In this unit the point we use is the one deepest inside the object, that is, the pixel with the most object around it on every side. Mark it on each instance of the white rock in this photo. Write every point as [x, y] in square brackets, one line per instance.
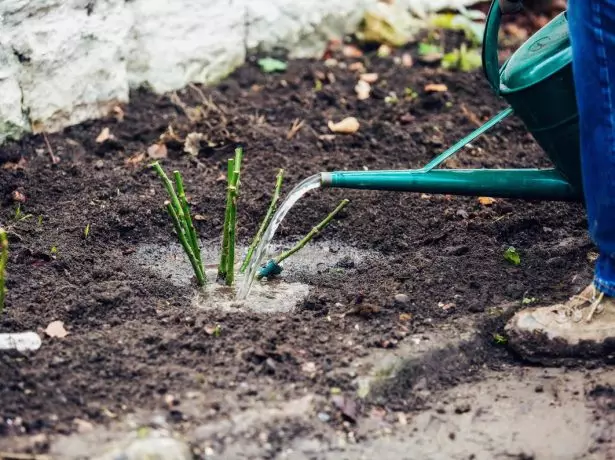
[65, 61]
[181, 41]
[72, 65]
[13, 122]
[301, 26]
[20, 341]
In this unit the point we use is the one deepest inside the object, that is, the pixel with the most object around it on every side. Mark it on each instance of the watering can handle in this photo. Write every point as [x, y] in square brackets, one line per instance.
[490, 46]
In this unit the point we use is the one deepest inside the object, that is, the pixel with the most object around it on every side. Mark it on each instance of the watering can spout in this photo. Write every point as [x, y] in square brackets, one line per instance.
[539, 184]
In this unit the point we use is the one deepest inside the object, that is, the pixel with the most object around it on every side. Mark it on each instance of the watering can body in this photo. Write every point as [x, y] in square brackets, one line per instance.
[537, 83]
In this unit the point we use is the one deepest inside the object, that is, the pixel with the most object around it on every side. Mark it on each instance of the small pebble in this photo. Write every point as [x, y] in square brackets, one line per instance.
[324, 417]
[402, 299]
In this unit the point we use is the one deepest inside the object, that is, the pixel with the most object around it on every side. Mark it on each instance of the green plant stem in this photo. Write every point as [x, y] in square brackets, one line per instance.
[266, 220]
[230, 261]
[169, 187]
[4, 256]
[198, 269]
[315, 231]
[222, 266]
[189, 226]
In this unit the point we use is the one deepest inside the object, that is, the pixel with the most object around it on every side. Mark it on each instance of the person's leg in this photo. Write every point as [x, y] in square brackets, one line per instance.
[586, 321]
[592, 29]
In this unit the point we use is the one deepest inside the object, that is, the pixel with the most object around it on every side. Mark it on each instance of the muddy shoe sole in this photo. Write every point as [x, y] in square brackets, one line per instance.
[537, 348]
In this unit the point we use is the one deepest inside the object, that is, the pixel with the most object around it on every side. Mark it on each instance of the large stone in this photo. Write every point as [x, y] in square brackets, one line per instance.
[71, 55]
[181, 41]
[13, 122]
[66, 61]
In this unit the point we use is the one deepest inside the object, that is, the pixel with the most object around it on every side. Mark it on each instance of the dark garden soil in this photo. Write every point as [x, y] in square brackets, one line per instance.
[133, 336]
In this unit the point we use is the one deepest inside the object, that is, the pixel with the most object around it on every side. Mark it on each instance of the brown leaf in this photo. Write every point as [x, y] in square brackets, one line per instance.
[21, 164]
[357, 67]
[135, 159]
[157, 151]
[486, 201]
[104, 135]
[348, 125]
[363, 89]
[351, 51]
[405, 317]
[369, 77]
[406, 60]
[18, 196]
[118, 113]
[436, 88]
[56, 329]
[192, 144]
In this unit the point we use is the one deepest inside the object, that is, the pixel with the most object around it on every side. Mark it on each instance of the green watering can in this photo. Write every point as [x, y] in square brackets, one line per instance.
[537, 83]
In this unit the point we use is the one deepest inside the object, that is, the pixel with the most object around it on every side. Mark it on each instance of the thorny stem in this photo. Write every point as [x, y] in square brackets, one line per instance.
[182, 221]
[198, 269]
[266, 220]
[315, 231]
[169, 187]
[190, 230]
[222, 267]
[230, 261]
[4, 255]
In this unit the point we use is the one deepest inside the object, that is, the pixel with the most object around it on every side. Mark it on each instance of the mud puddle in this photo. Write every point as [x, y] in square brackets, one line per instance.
[267, 296]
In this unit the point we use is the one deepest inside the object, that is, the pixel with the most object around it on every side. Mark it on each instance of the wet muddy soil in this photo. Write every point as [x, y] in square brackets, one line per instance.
[137, 342]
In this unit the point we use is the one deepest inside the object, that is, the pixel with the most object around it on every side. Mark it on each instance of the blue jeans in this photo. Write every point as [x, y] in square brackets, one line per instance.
[592, 32]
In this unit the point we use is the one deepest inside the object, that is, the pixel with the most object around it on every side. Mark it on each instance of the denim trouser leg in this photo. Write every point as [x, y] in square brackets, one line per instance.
[592, 30]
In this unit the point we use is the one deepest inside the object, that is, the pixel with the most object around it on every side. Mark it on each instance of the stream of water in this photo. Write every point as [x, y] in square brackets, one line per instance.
[311, 183]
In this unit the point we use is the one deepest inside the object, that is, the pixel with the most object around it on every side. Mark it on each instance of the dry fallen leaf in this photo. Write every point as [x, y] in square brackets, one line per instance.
[436, 88]
[118, 113]
[192, 144]
[357, 67]
[157, 151]
[486, 200]
[56, 329]
[18, 196]
[104, 135]
[362, 89]
[21, 164]
[135, 159]
[405, 317]
[406, 60]
[346, 126]
[351, 51]
[369, 77]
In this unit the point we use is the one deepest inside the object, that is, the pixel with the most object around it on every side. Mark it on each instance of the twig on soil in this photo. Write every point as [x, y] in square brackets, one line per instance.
[226, 269]
[295, 128]
[209, 103]
[4, 256]
[179, 211]
[265, 222]
[54, 159]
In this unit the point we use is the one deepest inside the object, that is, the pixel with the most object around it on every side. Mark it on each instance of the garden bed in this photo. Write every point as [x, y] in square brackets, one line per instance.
[137, 342]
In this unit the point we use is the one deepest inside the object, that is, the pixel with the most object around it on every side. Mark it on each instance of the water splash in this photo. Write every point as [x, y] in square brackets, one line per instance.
[311, 183]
